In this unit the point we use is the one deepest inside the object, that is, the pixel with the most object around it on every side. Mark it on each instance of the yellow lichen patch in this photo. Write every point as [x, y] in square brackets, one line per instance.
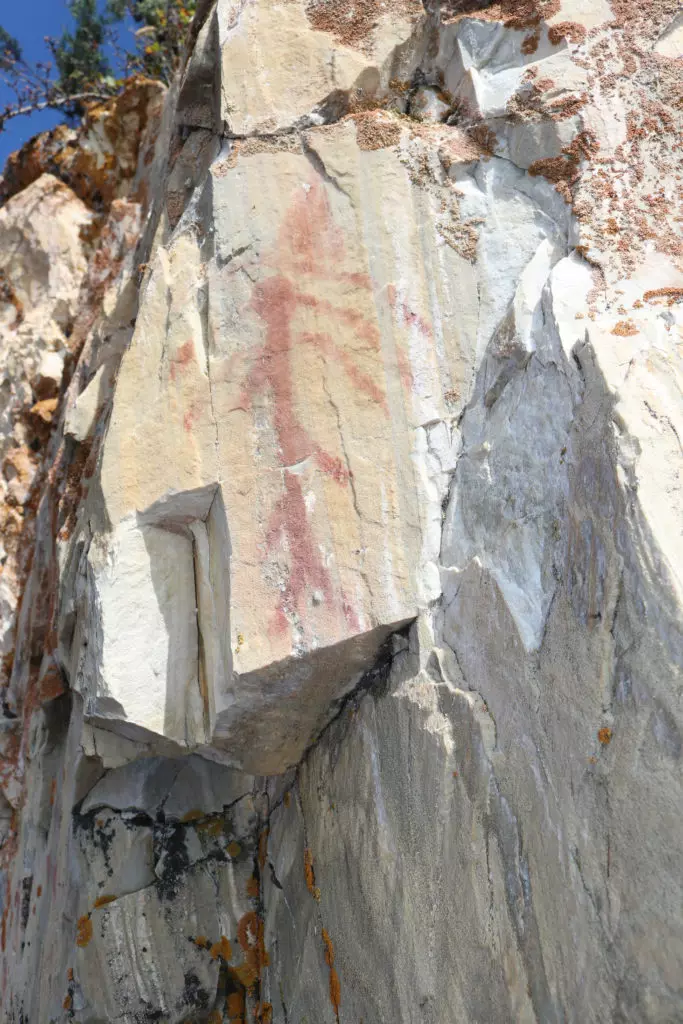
[234, 849]
[287, 798]
[221, 949]
[102, 901]
[83, 930]
[605, 735]
[309, 874]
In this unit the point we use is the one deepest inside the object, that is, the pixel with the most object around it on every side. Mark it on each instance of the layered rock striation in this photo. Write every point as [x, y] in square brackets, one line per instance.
[340, 600]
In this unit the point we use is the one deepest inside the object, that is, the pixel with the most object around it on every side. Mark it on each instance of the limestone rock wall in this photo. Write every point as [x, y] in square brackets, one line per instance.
[341, 592]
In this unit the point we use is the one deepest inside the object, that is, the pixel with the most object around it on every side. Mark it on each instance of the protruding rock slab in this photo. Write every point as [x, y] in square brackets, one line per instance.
[293, 342]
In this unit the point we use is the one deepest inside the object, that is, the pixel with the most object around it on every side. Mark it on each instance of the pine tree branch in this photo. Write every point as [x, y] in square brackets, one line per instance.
[51, 103]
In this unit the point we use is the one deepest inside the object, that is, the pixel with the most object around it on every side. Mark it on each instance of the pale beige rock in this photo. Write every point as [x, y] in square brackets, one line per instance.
[388, 377]
[283, 61]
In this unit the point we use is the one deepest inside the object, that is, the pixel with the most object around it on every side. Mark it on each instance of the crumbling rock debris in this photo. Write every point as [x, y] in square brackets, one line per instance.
[340, 497]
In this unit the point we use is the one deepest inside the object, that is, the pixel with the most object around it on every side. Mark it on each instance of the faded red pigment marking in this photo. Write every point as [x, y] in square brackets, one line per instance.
[332, 466]
[361, 380]
[352, 620]
[361, 326]
[309, 243]
[274, 301]
[290, 518]
[184, 355]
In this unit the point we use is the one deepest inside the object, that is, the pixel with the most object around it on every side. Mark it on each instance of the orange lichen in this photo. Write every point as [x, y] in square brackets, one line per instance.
[309, 874]
[83, 931]
[335, 991]
[625, 329]
[102, 901]
[250, 935]
[192, 815]
[570, 30]
[211, 827]
[329, 948]
[246, 975]
[664, 293]
[263, 1013]
[253, 887]
[235, 1007]
[376, 130]
[202, 942]
[335, 987]
[234, 849]
[68, 1002]
[221, 949]
[263, 848]
[353, 22]
[605, 735]
[530, 42]
[70, 974]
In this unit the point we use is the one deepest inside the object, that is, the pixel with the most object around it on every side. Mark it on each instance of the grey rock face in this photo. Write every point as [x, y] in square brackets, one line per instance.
[345, 683]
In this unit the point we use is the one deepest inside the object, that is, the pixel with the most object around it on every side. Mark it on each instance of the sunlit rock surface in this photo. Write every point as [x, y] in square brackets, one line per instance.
[340, 597]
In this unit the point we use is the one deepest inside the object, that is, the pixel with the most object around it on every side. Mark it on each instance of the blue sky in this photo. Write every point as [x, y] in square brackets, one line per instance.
[29, 21]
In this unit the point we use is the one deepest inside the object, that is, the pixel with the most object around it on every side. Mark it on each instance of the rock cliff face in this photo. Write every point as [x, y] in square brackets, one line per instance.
[340, 600]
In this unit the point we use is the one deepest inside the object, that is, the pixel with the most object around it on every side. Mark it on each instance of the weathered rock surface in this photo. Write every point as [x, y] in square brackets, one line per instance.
[341, 593]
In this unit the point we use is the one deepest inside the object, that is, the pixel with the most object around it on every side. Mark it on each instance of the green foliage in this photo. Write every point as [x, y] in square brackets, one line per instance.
[79, 55]
[81, 70]
[162, 28]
